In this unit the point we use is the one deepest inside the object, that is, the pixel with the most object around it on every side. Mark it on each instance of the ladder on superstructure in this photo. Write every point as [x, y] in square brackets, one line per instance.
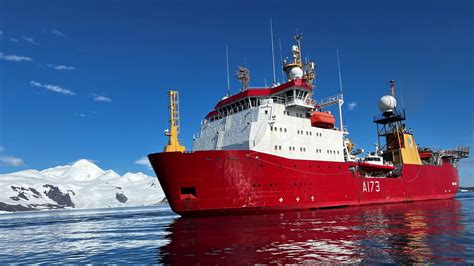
[174, 109]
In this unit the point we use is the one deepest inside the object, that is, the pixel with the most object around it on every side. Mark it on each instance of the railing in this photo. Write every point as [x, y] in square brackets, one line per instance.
[328, 101]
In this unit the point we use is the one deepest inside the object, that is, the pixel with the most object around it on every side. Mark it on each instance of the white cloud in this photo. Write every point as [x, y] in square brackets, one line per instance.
[2, 148]
[99, 98]
[29, 39]
[11, 161]
[53, 88]
[54, 32]
[13, 40]
[1, 32]
[144, 161]
[80, 115]
[14, 58]
[351, 106]
[61, 67]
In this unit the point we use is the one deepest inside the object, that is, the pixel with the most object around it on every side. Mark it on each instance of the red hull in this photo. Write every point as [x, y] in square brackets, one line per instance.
[218, 182]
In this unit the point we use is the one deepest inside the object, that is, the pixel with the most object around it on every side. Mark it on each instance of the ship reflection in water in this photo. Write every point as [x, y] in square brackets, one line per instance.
[397, 233]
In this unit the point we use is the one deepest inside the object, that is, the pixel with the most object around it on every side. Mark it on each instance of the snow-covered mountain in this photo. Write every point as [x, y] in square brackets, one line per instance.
[79, 185]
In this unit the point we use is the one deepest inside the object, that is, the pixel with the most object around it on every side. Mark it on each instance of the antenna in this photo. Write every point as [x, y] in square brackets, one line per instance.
[273, 53]
[392, 87]
[227, 62]
[341, 100]
[281, 61]
[339, 68]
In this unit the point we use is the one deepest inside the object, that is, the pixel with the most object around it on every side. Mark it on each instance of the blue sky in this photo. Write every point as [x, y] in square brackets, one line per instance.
[88, 79]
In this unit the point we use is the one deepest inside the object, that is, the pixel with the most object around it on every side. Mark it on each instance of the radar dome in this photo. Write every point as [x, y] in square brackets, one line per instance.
[387, 103]
[295, 72]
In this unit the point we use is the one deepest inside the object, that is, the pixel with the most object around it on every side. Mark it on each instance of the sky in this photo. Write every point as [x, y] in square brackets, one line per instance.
[88, 79]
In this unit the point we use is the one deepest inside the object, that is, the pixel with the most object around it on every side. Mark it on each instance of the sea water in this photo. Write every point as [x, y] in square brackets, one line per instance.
[440, 231]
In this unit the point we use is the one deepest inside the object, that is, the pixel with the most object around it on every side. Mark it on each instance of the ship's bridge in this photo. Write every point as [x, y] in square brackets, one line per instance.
[295, 93]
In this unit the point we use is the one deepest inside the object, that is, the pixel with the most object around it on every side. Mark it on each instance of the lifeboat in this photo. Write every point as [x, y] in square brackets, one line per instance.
[322, 119]
[371, 167]
[425, 155]
[373, 163]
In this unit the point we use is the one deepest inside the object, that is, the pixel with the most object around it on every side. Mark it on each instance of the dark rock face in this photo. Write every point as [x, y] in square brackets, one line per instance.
[14, 208]
[24, 192]
[35, 192]
[56, 195]
[15, 198]
[121, 197]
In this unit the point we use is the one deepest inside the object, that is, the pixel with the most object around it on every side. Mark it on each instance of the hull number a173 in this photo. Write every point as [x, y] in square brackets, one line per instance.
[371, 186]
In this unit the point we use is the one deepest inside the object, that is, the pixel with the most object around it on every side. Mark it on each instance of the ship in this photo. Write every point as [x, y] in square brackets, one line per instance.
[277, 148]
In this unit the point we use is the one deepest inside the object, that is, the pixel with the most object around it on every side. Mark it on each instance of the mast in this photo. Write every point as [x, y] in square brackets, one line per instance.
[173, 132]
[273, 54]
[227, 62]
[281, 61]
[392, 87]
[341, 100]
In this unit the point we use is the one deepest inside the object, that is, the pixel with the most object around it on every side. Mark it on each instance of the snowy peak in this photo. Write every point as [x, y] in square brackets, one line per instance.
[85, 164]
[81, 170]
[81, 184]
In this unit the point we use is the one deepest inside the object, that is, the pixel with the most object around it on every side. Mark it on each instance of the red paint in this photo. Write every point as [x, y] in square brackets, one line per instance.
[425, 155]
[247, 181]
[370, 167]
[260, 92]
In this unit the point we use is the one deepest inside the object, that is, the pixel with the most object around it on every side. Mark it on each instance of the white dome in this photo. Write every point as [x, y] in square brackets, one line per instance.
[295, 72]
[387, 103]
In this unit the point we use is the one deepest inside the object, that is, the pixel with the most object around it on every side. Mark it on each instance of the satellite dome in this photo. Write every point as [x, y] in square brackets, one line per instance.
[387, 103]
[295, 72]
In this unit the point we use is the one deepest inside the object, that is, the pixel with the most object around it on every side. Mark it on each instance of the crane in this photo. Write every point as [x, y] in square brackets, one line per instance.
[173, 131]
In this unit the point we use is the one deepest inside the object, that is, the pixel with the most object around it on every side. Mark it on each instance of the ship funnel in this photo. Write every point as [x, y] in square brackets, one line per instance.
[387, 103]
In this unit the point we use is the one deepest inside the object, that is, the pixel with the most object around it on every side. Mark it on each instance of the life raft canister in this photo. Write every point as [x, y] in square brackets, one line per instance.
[322, 119]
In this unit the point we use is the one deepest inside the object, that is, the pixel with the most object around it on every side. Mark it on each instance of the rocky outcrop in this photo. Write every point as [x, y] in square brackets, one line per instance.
[62, 199]
[121, 197]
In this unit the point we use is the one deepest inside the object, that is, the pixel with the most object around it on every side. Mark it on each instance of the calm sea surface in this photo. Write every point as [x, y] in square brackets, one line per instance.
[432, 231]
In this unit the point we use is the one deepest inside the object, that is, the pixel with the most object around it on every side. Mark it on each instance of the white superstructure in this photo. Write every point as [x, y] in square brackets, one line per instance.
[282, 120]
[277, 124]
